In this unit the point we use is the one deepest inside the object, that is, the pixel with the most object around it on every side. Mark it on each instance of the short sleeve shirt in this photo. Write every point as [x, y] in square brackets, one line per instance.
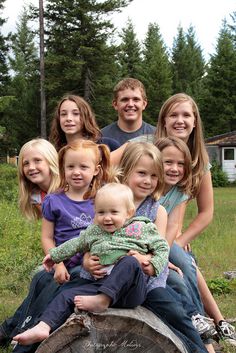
[121, 136]
[69, 218]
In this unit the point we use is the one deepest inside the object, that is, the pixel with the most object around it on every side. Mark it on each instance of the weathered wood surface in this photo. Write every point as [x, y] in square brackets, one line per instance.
[116, 330]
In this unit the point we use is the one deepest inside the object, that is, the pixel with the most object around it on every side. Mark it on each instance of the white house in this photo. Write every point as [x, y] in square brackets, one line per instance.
[223, 149]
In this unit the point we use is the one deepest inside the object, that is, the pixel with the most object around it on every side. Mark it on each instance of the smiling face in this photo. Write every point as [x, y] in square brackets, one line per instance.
[180, 121]
[143, 179]
[80, 168]
[111, 212]
[173, 162]
[129, 105]
[36, 168]
[70, 120]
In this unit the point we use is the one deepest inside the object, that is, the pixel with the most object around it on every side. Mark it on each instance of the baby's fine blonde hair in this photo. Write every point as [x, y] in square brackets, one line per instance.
[122, 191]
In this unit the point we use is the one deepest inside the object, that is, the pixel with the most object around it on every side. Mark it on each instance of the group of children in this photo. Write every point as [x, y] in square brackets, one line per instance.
[119, 228]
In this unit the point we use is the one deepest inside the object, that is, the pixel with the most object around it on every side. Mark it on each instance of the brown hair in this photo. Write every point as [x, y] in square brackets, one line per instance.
[195, 142]
[185, 184]
[102, 158]
[127, 83]
[90, 129]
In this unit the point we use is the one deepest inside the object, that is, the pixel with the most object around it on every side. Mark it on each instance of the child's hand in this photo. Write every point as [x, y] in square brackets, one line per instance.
[61, 274]
[148, 268]
[144, 261]
[91, 264]
[140, 257]
[48, 263]
[175, 268]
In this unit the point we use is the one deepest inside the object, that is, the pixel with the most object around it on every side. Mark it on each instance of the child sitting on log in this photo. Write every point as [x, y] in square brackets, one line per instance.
[114, 233]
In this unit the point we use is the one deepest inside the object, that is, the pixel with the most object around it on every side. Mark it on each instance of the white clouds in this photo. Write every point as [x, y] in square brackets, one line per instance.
[205, 15]
[12, 10]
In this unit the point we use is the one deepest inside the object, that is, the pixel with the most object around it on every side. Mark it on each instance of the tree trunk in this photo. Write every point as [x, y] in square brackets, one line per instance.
[115, 330]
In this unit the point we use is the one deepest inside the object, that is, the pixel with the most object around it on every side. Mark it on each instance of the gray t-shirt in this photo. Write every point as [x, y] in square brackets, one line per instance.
[113, 131]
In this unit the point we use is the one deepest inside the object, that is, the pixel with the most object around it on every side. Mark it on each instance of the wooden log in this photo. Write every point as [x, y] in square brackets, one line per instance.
[116, 330]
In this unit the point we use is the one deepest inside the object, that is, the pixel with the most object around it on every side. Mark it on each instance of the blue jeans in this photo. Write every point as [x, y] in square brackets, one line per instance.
[167, 304]
[35, 302]
[126, 285]
[186, 286]
[42, 290]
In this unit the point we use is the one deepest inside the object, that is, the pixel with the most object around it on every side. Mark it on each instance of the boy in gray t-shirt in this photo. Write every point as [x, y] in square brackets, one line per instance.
[129, 101]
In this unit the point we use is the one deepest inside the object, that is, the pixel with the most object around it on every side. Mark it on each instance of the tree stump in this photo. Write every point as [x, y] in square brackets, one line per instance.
[115, 330]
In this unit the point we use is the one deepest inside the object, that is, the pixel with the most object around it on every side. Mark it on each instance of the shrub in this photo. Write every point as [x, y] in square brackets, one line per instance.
[219, 177]
[220, 286]
[8, 182]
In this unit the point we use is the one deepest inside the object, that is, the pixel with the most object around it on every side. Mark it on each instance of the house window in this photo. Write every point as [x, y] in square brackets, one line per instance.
[229, 154]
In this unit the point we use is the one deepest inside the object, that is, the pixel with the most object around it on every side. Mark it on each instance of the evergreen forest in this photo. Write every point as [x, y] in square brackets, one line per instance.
[86, 55]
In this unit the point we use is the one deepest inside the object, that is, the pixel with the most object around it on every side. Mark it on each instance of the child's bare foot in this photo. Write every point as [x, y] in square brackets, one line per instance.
[37, 333]
[94, 303]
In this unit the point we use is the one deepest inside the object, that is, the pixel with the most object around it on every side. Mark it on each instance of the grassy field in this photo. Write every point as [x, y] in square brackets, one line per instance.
[20, 251]
[215, 248]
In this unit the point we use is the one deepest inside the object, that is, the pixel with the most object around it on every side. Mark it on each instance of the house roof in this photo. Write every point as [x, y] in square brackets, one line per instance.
[227, 139]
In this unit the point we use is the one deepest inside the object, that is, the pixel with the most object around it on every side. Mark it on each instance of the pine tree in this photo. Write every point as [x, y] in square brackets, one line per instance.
[78, 58]
[219, 108]
[156, 72]
[129, 56]
[187, 63]
[232, 27]
[24, 87]
[196, 67]
[4, 47]
[5, 100]
[179, 62]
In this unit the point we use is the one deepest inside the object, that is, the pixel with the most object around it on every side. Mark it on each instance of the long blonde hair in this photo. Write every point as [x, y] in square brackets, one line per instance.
[102, 158]
[132, 154]
[185, 184]
[195, 142]
[26, 187]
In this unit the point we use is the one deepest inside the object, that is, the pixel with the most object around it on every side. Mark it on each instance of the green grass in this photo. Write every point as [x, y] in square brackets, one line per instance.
[215, 249]
[20, 252]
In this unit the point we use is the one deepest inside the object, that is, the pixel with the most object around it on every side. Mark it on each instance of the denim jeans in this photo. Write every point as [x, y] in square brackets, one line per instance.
[62, 306]
[186, 286]
[126, 285]
[42, 290]
[167, 305]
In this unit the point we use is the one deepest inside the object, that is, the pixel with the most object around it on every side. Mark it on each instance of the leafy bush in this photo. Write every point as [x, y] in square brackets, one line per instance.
[8, 182]
[219, 177]
[220, 286]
